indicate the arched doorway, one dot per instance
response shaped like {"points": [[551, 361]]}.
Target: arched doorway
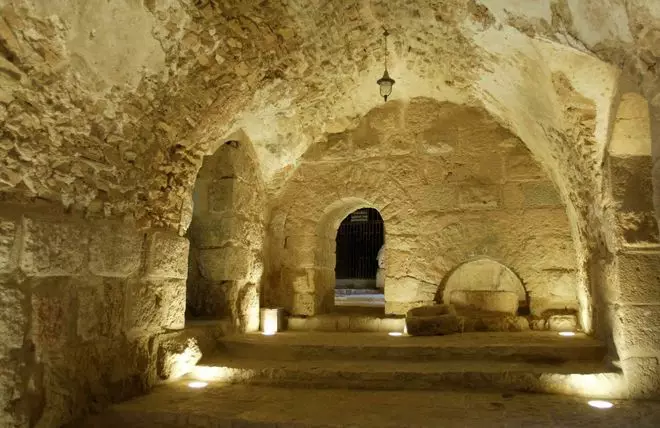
{"points": [[359, 267]]}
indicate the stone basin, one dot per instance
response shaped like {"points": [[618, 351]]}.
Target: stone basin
{"points": [[485, 300]]}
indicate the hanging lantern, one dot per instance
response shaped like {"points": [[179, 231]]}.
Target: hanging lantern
{"points": [[385, 82]]}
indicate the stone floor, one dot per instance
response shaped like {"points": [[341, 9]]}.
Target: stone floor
{"points": [[221, 405]]}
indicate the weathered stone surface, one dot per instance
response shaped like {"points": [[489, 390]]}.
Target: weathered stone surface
{"points": [[483, 275], [224, 264], [488, 321], [115, 251], [8, 232], [540, 194], [167, 256], [13, 322], [177, 357], [638, 277], [214, 232], [101, 307], [432, 325], [562, 323], [636, 330], [479, 197], [53, 317], [435, 310], [107, 109], [155, 304], [53, 248], [11, 389], [632, 191], [304, 304], [489, 301], [642, 376]]}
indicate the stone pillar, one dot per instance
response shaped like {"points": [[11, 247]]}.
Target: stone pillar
{"points": [[634, 297], [227, 232]]}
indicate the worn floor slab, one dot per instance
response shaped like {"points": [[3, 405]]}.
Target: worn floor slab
{"points": [[233, 406]]}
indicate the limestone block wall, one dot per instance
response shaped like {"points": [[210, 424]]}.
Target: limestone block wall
{"points": [[227, 234], [451, 185], [84, 304]]}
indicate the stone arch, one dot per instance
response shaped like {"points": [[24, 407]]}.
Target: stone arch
{"points": [[226, 237], [482, 274], [313, 289], [451, 185]]}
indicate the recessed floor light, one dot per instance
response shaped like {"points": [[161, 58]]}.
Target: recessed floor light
{"points": [[197, 384], [600, 404], [566, 333], [395, 333]]}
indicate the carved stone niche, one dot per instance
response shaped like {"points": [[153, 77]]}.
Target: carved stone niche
{"points": [[484, 285]]}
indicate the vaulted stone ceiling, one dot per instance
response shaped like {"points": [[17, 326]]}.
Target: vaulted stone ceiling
{"points": [[107, 106]]}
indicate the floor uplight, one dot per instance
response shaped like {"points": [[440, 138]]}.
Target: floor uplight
{"points": [[599, 404], [395, 333], [270, 321], [197, 384], [566, 333]]}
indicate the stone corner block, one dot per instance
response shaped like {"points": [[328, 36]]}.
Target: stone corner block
{"points": [[53, 248], [167, 256], [115, 251]]}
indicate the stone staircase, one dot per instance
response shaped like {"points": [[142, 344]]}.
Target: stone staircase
{"points": [[505, 362], [246, 376]]}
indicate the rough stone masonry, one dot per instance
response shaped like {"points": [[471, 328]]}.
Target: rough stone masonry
{"points": [[523, 132]]}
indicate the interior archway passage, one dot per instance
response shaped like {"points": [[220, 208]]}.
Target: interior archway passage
{"points": [[359, 240]]}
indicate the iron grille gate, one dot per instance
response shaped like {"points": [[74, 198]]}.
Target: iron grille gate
{"points": [[359, 238]]}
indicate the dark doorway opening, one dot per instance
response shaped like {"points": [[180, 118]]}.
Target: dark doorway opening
{"points": [[360, 237]]}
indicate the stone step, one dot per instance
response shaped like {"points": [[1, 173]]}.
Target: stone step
{"points": [[447, 375], [347, 322], [529, 346]]}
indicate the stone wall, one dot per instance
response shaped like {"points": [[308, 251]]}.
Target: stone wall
{"points": [[84, 303], [227, 234], [451, 185]]}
